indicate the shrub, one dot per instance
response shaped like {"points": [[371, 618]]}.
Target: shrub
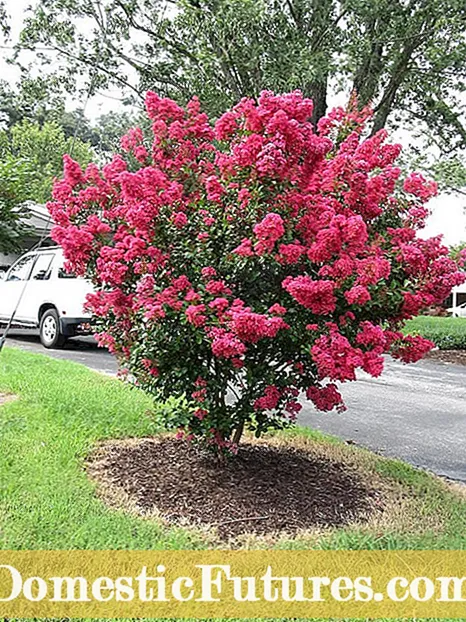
{"points": [[239, 265], [445, 333]]}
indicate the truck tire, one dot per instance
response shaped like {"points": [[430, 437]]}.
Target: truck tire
{"points": [[50, 335]]}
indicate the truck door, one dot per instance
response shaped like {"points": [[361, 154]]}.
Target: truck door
{"points": [[12, 286]]}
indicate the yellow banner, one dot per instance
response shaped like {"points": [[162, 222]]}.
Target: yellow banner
{"points": [[226, 584]]}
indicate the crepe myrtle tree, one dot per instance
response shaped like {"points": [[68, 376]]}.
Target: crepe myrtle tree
{"points": [[243, 264]]}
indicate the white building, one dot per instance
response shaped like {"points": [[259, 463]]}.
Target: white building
{"points": [[458, 295]]}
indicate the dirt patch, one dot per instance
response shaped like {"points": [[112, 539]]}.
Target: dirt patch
{"points": [[6, 397], [266, 489], [458, 357]]}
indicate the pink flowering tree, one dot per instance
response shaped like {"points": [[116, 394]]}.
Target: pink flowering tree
{"points": [[249, 263]]}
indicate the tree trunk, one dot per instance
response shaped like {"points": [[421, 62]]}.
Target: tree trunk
{"points": [[318, 93], [399, 73], [238, 433], [367, 77]]}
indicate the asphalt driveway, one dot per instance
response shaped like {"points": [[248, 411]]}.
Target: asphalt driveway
{"points": [[413, 412]]}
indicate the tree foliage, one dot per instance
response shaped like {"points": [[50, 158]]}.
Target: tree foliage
{"points": [[40, 151], [404, 56], [450, 172], [36, 100], [31, 157], [108, 130], [14, 181], [239, 266], [458, 253], [4, 20]]}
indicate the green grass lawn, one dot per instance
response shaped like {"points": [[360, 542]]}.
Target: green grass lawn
{"points": [[448, 333], [64, 409]]}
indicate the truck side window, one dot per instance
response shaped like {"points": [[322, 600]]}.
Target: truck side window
{"points": [[41, 270], [63, 274], [20, 271]]}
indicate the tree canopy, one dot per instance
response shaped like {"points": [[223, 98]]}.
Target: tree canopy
{"points": [[14, 178], [406, 57], [31, 157], [41, 150]]}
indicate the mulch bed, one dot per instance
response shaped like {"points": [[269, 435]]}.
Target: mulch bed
{"points": [[265, 489], [458, 357]]}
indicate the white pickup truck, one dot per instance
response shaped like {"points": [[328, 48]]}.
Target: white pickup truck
{"points": [[51, 301]]}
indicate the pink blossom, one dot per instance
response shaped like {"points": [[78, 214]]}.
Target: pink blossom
{"points": [[72, 172], [318, 296], [412, 348], [293, 407], [358, 295], [217, 287], [219, 305], [200, 249], [371, 336], [326, 398], [208, 272], [200, 413], [336, 358], [269, 230], [195, 315], [214, 189], [244, 197], [132, 139], [150, 367], [180, 220], [269, 399], [244, 249], [251, 327], [277, 309], [226, 125], [416, 184], [290, 253], [227, 345]]}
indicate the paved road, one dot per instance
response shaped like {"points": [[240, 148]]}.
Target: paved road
{"points": [[413, 412]]}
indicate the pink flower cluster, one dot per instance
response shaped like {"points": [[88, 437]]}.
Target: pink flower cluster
{"points": [[251, 327], [268, 231], [246, 258], [317, 296]]}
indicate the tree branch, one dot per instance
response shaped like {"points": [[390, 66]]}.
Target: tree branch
{"points": [[99, 67], [156, 35]]}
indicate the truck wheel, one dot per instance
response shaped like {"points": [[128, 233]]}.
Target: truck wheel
{"points": [[50, 335]]}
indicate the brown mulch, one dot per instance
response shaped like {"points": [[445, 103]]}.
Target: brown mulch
{"points": [[265, 489], [458, 357]]}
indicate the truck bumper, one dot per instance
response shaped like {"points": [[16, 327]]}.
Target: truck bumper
{"points": [[71, 326]]}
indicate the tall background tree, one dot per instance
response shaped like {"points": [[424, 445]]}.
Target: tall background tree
{"points": [[14, 181], [41, 100], [41, 151], [406, 57], [30, 159], [4, 20]]}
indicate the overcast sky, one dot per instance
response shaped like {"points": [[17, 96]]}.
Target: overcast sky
{"points": [[448, 211]]}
